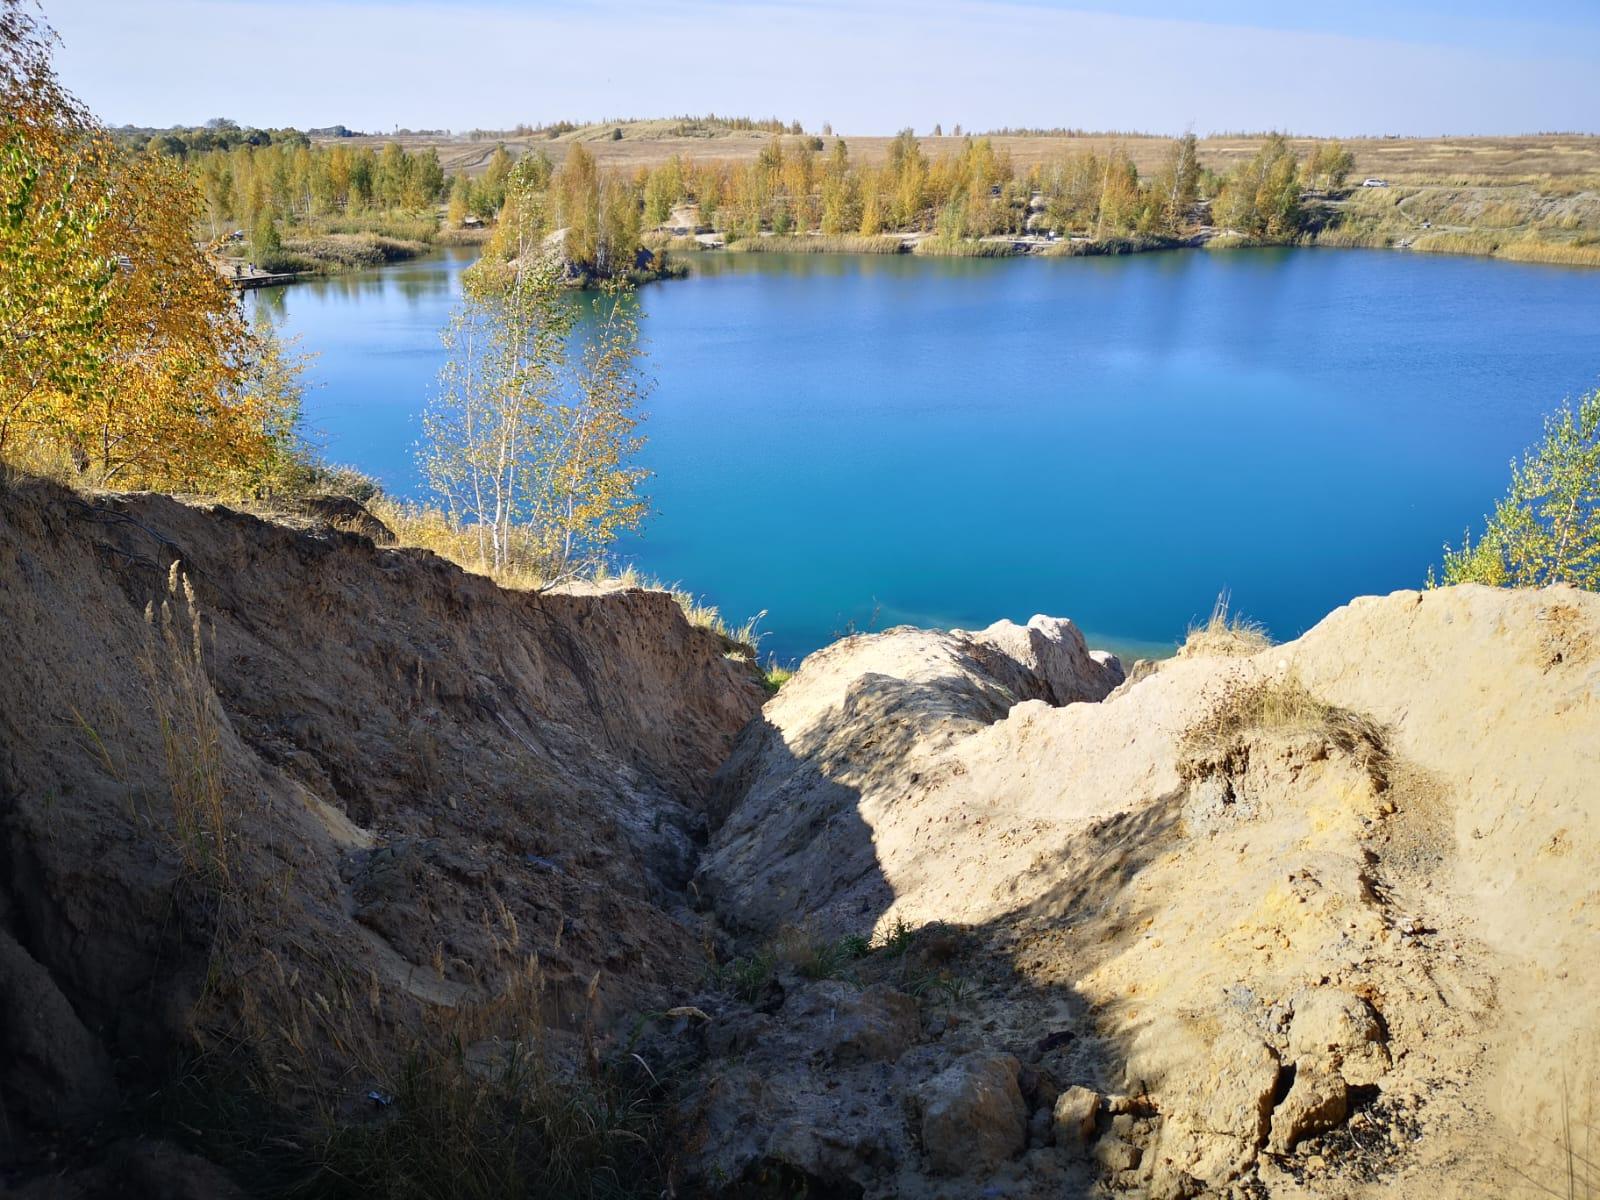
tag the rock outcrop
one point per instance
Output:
(1320, 919)
(862, 737)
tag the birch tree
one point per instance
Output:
(530, 439)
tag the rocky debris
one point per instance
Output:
(808, 1096)
(1074, 1117)
(973, 1116)
(1319, 1100)
(1219, 1108)
(846, 1025)
(1327, 1022)
(1113, 1154)
(1041, 1128)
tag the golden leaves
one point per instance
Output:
(119, 345)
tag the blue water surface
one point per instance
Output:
(856, 442)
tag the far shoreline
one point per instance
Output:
(1033, 246)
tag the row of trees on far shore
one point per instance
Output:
(806, 185)
(795, 184)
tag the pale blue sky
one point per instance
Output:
(1369, 66)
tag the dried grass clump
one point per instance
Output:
(320, 1094)
(1225, 635)
(190, 724)
(1283, 706)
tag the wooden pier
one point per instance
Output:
(260, 279)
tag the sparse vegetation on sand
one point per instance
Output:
(1280, 705)
(429, 528)
(1225, 634)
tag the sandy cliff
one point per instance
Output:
(385, 788)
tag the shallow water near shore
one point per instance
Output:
(855, 442)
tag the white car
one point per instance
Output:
(1374, 183)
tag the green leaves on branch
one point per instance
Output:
(1547, 528)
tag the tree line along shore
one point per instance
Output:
(288, 201)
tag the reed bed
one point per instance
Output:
(348, 250)
(843, 243)
(965, 248)
(405, 226)
(1353, 237)
(1566, 254)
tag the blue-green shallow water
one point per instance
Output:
(857, 442)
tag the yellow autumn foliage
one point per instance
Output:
(121, 350)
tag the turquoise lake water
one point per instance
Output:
(857, 442)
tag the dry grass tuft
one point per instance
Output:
(190, 723)
(1284, 706)
(474, 1099)
(483, 1105)
(1225, 635)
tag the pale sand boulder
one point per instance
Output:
(973, 1115)
(861, 725)
(1075, 1113)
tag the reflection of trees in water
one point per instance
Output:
(416, 287)
(353, 286)
(268, 305)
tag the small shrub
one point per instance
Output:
(746, 978)
(897, 938)
(774, 675)
(817, 958)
